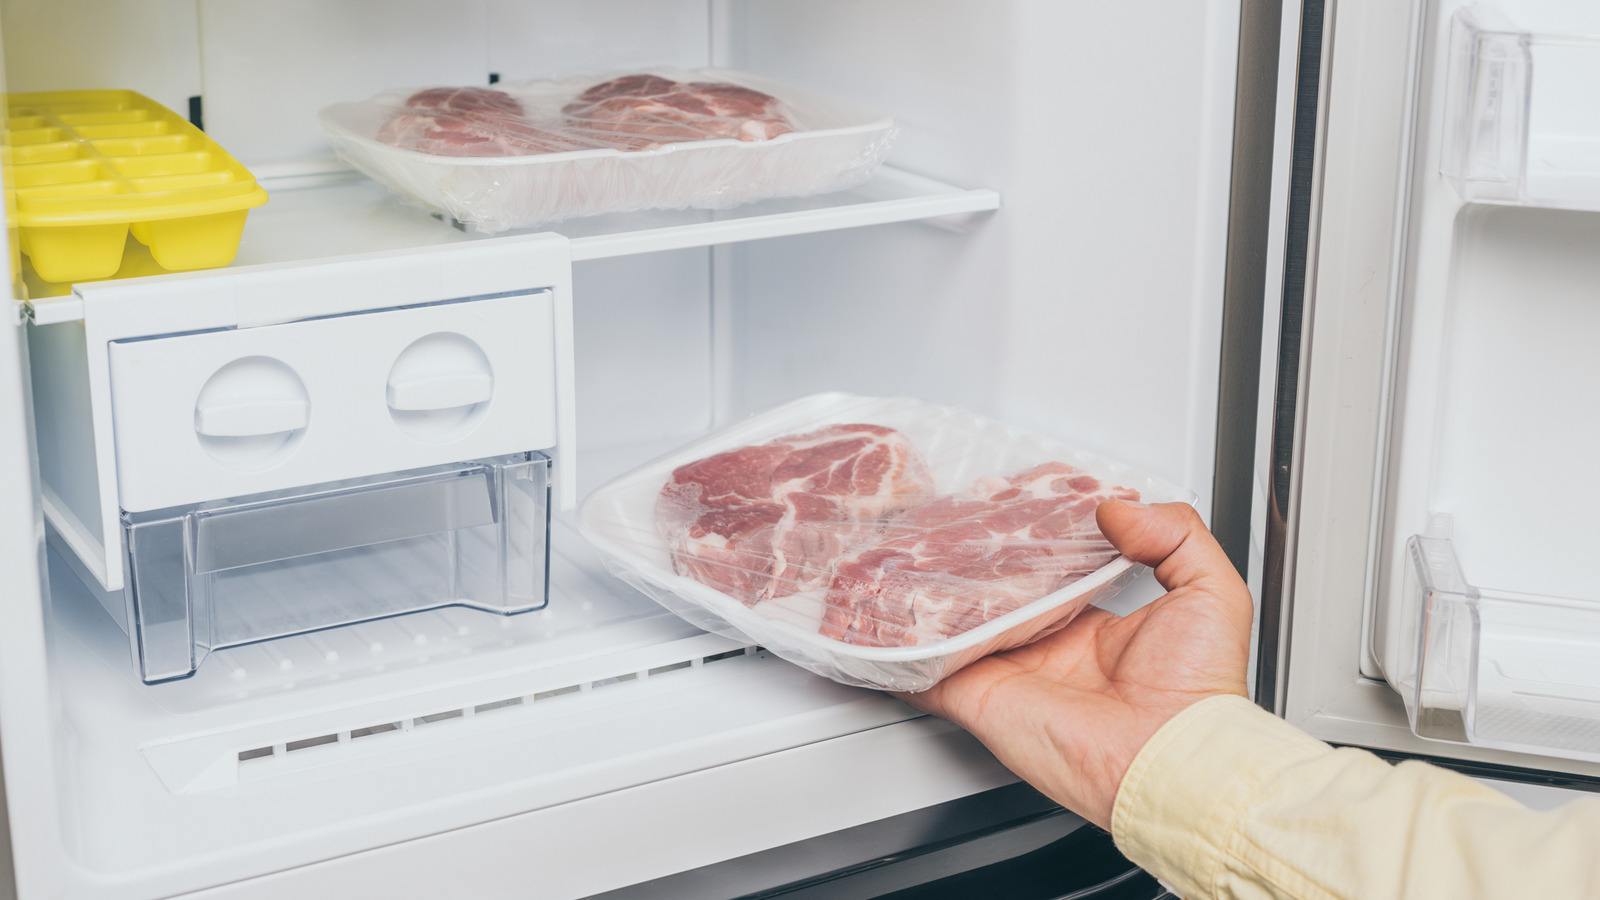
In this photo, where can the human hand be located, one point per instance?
(1068, 713)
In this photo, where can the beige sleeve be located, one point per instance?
(1227, 800)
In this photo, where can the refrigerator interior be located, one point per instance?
(1445, 362)
(425, 752)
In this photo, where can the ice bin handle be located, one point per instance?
(252, 418)
(440, 391)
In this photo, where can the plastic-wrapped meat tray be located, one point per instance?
(527, 177)
(880, 564)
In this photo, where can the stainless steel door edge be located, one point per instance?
(1245, 275)
(1310, 120)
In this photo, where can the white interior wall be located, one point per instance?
(904, 309)
(265, 68)
(1122, 187)
(642, 329)
(268, 67)
(67, 45)
(1089, 308)
(30, 850)
(555, 38)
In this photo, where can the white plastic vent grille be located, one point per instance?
(434, 719)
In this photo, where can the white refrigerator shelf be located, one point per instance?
(317, 211)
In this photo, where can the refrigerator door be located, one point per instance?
(1425, 592)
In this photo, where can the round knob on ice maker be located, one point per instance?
(439, 388)
(251, 414)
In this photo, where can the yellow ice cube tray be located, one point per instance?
(88, 167)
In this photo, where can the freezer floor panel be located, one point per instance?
(338, 662)
(286, 752)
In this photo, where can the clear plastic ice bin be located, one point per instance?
(230, 572)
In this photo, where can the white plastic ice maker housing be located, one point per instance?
(187, 388)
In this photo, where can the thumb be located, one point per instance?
(1171, 539)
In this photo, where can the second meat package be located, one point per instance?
(880, 542)
(522, 155)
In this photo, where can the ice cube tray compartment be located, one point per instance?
(89, 167)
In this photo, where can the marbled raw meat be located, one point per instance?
(465, 101)
(945, 566)
(635, 112)
(641, 112)
(768, 520)
(442, 134)
(470, 121)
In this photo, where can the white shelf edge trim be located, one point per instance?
(934, 200)
(54, 310)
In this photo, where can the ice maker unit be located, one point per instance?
(247, 454)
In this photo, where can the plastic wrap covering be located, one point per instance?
(523, 155)
(879, 542)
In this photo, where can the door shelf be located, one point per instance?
(1495, 668)
(1521, 127)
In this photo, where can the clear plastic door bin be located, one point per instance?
(1521, 125)
(1498, 668)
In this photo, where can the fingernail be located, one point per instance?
(1135, 504)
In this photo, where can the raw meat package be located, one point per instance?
(527, 154)
(882, 543)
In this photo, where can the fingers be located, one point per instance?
(1171, 539)
(962, 696)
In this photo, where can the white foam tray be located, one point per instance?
(619, 519)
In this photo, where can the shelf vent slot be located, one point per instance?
(466, 713)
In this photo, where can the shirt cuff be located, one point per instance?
(1178, 807)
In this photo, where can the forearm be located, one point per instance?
(1228, 801)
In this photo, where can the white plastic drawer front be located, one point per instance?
(229, 413)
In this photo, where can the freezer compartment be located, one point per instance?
(226, 573)
(1499, 669)
(1520, 125)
